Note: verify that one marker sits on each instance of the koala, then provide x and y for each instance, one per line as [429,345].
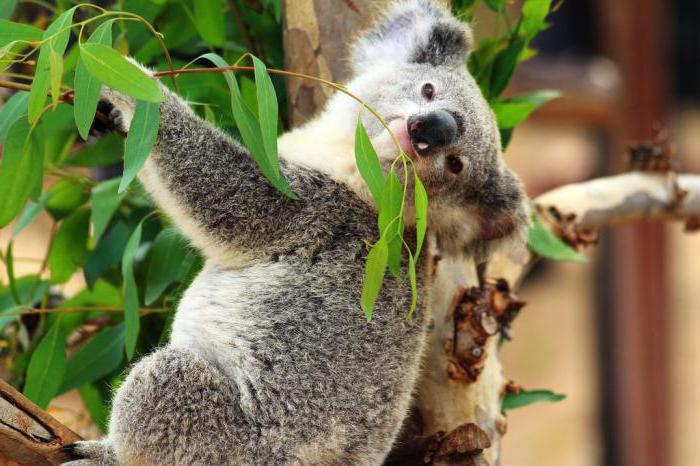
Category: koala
[271,360]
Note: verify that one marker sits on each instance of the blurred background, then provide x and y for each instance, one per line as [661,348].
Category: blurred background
[617,335]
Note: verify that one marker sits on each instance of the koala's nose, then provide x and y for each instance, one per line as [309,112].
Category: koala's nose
[432,130]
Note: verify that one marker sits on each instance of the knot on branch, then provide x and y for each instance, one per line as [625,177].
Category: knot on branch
[479,314]
[653,155]
[567,227]
[462,446]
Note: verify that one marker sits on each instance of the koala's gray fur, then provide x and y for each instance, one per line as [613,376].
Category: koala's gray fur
[271,360]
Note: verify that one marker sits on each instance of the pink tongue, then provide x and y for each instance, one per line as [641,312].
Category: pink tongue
[398,127]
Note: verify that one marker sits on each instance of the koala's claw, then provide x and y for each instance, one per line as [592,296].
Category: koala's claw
[70,450]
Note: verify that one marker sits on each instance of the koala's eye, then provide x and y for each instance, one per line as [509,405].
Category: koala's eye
[427,91]
[454,164]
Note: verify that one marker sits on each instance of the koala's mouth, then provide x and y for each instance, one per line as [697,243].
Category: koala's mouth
[399,127]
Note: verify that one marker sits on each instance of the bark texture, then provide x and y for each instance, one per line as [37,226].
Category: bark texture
[29,435]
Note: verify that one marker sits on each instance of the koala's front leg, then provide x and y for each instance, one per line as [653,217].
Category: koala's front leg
[208,183]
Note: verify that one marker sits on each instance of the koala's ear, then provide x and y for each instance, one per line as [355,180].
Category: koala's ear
[418,31]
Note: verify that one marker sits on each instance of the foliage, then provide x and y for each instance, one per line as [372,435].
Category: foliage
[135,265]
[528,397]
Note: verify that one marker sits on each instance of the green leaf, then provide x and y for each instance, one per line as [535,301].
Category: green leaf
[110,68]
[87,88]
[421,203]
[97,358]
[67,195]
[167,257]
[251,132]
[107,253]
[527,397]
[29,291]
[21,171]
[533,15]
[29,213]
[541,240]
[132,319]
[7,7]
[107,150]
[209,19]
[368,163]
[10,270]
[414,285]
[69,247]
[96,404]
[10,32]
[45,65]
[104,200]
[375,268]
[267,113]
[56,74]
[46,367]
[391,225]
[503,67]
[11,111]
[142,135]
[511,112]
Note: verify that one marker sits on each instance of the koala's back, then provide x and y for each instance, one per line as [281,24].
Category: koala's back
[275,362]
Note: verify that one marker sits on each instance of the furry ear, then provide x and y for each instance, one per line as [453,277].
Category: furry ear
[418,31]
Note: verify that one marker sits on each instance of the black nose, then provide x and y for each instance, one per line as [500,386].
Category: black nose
[432,130]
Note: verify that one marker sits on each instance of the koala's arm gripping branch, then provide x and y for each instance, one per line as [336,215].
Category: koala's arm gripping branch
[212,188]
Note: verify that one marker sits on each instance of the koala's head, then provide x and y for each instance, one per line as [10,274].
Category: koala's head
[411,68]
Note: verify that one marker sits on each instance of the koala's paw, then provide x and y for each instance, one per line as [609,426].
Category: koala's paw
[89,453]
[118,107]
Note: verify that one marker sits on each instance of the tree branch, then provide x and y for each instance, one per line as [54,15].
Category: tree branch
[29,435]
[605,202]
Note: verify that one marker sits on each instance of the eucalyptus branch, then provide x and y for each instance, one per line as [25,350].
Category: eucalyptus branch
[35,311]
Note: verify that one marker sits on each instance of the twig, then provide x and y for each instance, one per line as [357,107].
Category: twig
[32,310]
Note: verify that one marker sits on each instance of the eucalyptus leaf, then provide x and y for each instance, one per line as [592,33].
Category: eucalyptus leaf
[87,88]
[132,318]
[107,150]
[375,268]
[21,171]
[58,32]
[167,257]
[11,111]
[10,32]
[421,203]
[513,111]
[267,112]
[69,247]
[250,130]
[504,66]
[112,69]
[46,367]
[390,221]
[67,195]
[30,212]
[97,358]
[414,284]
[368,163]
[528,397]
[7,7]
[142,135]
[104,201]
[209,19]
[541,240]
[534,14]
